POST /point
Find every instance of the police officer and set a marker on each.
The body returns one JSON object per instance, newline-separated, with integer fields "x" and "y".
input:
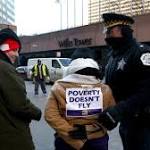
{"x": 128, "y": 74}
{"x": 40, "y": 72}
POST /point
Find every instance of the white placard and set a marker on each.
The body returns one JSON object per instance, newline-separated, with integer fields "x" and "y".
{"x": 84, "y": 99}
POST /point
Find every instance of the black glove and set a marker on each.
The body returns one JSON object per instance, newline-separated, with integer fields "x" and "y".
{"x": 79, "y": 133}
{"x": 108, "y": 118}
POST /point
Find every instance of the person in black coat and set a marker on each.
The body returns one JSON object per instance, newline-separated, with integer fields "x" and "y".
{"x": 128, "y": 75}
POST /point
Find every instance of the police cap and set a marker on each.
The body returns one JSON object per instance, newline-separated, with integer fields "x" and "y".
{"x": 113, "y": 19}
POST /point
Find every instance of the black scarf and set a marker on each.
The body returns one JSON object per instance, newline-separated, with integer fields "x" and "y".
{"x": 119, "y": 45}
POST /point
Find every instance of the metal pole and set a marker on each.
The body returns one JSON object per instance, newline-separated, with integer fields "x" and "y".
{"x": 99, "y": 11}
{"x": 143, "y": 8}
{"x": 60, "y": 9}
{"x": 67, "y": 14}
{"x": 131, "y": 8}
{"x": 74, "y": 13}
{"x": 82, "y": 12}
{"x": 61, "y": 15}
{"x": 90, "y": 11}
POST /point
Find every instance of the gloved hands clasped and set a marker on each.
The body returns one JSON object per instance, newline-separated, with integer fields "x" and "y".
{"x": 79, "y": 132}
{"x": 109, "y": 118}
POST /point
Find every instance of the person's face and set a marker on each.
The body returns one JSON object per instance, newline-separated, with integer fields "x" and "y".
{"x": 12, "y": 55}
{"x": 114, "y": 32}
{"x": 39, "y": 62}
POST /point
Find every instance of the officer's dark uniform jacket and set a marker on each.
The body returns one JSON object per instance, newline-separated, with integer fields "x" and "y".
{"x": 129, "y": 79}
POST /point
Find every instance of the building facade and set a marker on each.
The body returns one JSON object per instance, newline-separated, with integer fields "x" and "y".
{"x": 63, "y": 43}
{"x": 129, "y": 7}
{"x": 7, "y": 12}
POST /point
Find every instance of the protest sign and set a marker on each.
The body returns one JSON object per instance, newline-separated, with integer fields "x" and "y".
{"x": 83, "y": 101}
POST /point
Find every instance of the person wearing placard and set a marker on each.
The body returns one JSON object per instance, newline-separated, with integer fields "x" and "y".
{"x": 74, "y": 105}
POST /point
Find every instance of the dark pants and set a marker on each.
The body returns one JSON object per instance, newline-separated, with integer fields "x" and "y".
{"x": 60, "y": 144}
{"x": 42, "y": 84}
{"x": 95, "y": 144}
{"x": 135, "y": 137}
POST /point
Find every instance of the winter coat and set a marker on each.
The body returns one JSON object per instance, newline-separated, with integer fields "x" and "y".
{"x": 128, "y": 75}
{"x": 55, "y": 111}
{"x": 16, "y": 110}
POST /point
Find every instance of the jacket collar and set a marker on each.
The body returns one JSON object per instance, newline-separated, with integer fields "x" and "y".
{"x": 4, "y": 57}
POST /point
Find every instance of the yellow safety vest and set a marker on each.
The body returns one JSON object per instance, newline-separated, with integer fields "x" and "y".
{"x": 43, "y": 69}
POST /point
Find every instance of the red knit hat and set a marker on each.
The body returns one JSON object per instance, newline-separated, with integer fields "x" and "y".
{"x": 9, "y": 45}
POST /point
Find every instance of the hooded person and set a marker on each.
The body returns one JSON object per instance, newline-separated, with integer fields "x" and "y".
{"x": 74, "y": 105}
{"x": 84, "y": 53}
{"x": 9, "y": 43}
{"x": 16, "y": 110}
{"x": 89, "y": 53}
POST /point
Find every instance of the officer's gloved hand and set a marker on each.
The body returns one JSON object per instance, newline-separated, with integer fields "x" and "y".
{"x": 108, "y": 118}
{"x": 79, "y": 132}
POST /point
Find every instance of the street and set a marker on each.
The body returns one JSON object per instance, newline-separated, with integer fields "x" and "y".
{"x": 43, "y": 134}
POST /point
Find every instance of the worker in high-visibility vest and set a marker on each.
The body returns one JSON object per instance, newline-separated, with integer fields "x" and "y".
{"x": 40, "y": 72}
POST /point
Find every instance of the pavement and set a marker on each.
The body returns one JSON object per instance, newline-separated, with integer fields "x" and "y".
{"x": 43, "y": 134}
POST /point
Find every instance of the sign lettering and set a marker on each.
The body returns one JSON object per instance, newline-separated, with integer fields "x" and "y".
{"x": 75, "y": 42}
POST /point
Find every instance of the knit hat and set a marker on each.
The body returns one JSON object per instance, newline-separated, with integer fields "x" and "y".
{"x": 9, "y": 40}
{"x": 9, "y": 45}
{"x": 81, "y": 63}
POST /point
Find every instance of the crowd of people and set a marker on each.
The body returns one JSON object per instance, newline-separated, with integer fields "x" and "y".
{"x": 81, "y": 107}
